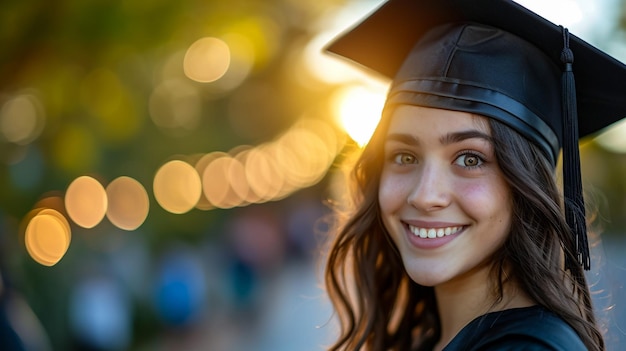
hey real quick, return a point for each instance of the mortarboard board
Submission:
(499, 59)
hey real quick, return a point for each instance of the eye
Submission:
(404, 159)
(469, 160)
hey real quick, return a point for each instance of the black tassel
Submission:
(572, 182)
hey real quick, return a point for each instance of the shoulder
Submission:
(529, 329)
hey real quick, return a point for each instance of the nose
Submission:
(432, 188)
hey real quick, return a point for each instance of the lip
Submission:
(431, 243)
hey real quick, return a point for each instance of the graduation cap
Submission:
(498, 59)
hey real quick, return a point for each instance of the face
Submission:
(443, 198)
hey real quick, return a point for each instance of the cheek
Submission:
(391, 193)
(487, 200)
(385, 199)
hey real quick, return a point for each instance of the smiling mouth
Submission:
(431, 233)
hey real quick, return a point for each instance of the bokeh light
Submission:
(217, 185)
(334, 138)
(207, 60)
(47, 236)
(358, 109)
(86, 201)
(177, 186)
(128, 203)
(297, 159)
(203, 162)
(262, 174)
(237, 177)
(21, 119)
(310, 156)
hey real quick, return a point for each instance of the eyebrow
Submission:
(456, 137)
(447, 139)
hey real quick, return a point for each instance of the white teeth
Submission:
(422, 233)
(433, 232)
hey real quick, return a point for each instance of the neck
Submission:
(470, 296)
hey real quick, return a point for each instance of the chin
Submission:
(430, 282)
(430, 279)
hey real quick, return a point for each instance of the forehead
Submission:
(418, 119)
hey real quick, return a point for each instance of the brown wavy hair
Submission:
(380, 308)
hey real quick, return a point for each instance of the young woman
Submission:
(459, 239)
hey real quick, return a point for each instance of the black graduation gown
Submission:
(529, 329)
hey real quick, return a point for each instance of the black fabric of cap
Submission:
(482, 69)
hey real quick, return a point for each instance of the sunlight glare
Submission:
(358, 111)
(323, 65)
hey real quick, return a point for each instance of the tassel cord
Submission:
(572, 181)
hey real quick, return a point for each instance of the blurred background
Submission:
(166, 170)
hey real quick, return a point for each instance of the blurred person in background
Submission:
(460, 238)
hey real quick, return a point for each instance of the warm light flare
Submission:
(323, 65)
(358, 110)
